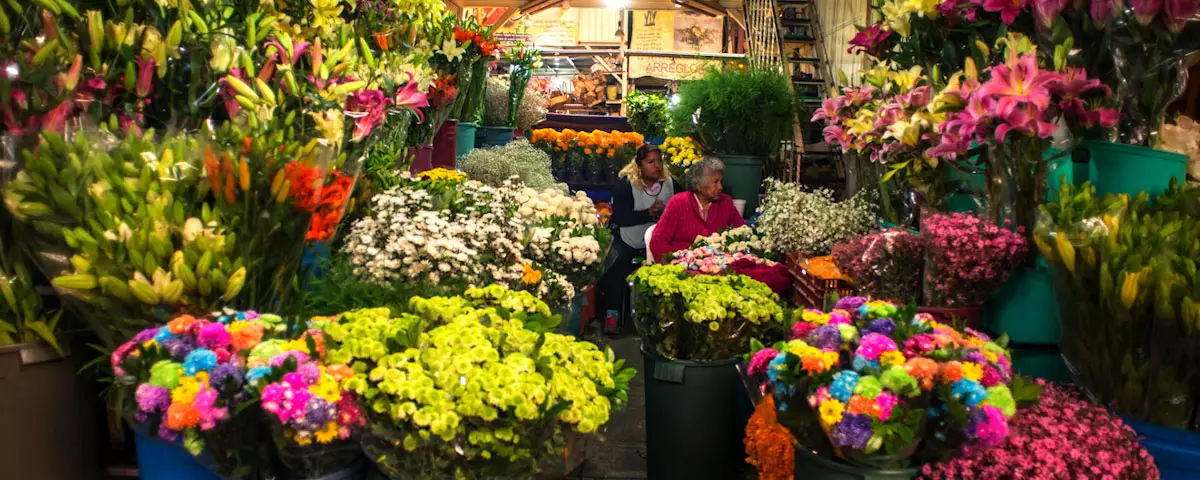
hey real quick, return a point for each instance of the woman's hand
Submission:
(657, 208)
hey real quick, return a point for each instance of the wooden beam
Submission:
(507, 15)
(702, 7)
(739, 16)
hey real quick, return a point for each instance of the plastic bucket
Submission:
(492, 136)
(1026, 308)
(421, 158)
(655, 140)
(162, 460)
(1120, 168)
(465, 141)
(696, 417)
(1060, 167)
(1175, 452)
(743, 176)
(810, 466)
(445, 144)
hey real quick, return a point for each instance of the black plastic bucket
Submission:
(810, 466)
(696, 416)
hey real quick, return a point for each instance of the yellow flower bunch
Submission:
(681, 152)
(444, 175)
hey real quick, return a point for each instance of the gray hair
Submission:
(702, 169)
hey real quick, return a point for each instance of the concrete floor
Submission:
(622, 454)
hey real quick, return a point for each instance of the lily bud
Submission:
(1129, 290)
(95, 33)
(1177, 13)
(1102, 12)
(1146, 10)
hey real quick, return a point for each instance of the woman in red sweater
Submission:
(699, 212)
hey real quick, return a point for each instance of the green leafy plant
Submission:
(735, 111)
(647, 113)
(23, 317)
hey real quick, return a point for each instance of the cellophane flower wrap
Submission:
(187, 380)
(1124, 272)
(884, 265)
(473, 386)
(443, 229)
(967, 258)
(881, 379)
(702, 317)
(310, 417)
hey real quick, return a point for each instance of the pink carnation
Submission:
(873, 344)
(213, 335)
(762, 358)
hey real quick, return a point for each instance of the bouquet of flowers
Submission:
(522, 60)
(679, 153)
(702, 317)
(1124, 270)
(481, 48)
(967, 259)
(467, 390)
(880, 379)
(187, 379)
(794, 220)
(736, 240)
(884, 265)
(311, 418)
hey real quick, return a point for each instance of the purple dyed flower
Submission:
(152, 399)
(853, 431)
(849, 304)
(144, 335)
(976, 356)
(310, 372)
(826, 337)
(317, 412)
(223, 374)
(883, 326)
(178, 347)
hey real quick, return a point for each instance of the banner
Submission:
(653, 30)
(667, 68)
(676, 31)
(696, 32)
(552, 27)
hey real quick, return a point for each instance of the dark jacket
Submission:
(623, 214)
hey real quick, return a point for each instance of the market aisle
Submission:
(622, 455)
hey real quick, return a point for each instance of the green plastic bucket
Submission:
(1026, 308)
(1120, 168)
(696, 416)
(810, 466)
(1060, 168)
(465, 142)
(743, 176)
(492, 136)
(1040, 362)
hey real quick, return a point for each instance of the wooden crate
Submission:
(809, 289)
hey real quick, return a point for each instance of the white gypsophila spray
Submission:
(794, 220)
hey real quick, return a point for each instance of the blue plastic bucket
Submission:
(465, 141)
(492, 136)
(1040, 362)
(655, 140)
(1026, 308)
(1120, 168)
(1175, 452)
(162, 460)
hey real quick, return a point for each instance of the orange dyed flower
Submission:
(768, 444)
(247, 337)
(863, 405)
(181, 324)
(951, 372)
(182, 416)
(340, 371)
(922, 369)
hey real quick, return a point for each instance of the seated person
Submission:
(699, 212)
(638, 199)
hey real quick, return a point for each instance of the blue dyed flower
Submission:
(778, 364)
(969, 392)
(843, 385)
(883, 326)
(257, 373)
(200, 360)
(861, 364)
(163, 335)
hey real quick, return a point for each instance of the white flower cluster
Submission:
(794, 220)
(741, 239)
(544, 241)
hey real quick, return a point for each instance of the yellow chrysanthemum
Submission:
(972, 371)
(831, 412)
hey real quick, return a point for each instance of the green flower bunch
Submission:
(467, 390)
(702, 317)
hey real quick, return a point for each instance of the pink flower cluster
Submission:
(968, 258)
(708, 260)
(1020, 98)
(1064, 436)
(884, 265)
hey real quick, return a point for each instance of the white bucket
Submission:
(740, 205)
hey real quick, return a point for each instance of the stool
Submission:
(627, 294)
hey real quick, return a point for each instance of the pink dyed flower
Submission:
(800, 330)
(760, 361)
(873, 345)
(1177, 13)
(1146, 10)
(214, 335)
(1009, 9)
(887, 402)
(994, 429)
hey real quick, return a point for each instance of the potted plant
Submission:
(647, 114)
(907, 388)
(740, 115)
(967, 259)
(473, 386)
(495, 130)
(692, 328)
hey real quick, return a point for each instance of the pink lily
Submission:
(859, 95)
(871, 40)
(367, 108)
(834, 135)
(1023, 83)
(1009, 9)
(298, 49)
(1047, 10)
(830, 109)
(1146, 10)
(1024, 120)
(145, 75)
(918, 97)
(1074, 82)
(1102, 12)
(1177, 13)
(56, 119)
(410, 97)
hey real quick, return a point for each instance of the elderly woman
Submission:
(701, 211)
(638, 200)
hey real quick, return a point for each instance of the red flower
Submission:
(443, 91)
(462, 36)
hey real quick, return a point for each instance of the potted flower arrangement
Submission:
(908, 387)
(884, 265)
(495, 130)
(679, 153)
(473, 386)
(647, 115)
(1122, 269)
(692, 327)
(740, 115)
(587, 156)
(967, 259)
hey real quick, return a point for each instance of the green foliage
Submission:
(647, 113)
(336, 289)
(735, 111)
(495, 165)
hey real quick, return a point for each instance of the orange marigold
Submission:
(768, 444)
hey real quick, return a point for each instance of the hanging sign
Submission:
(552, 27)
(695, 32)
(667, 68)
(653, 30)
